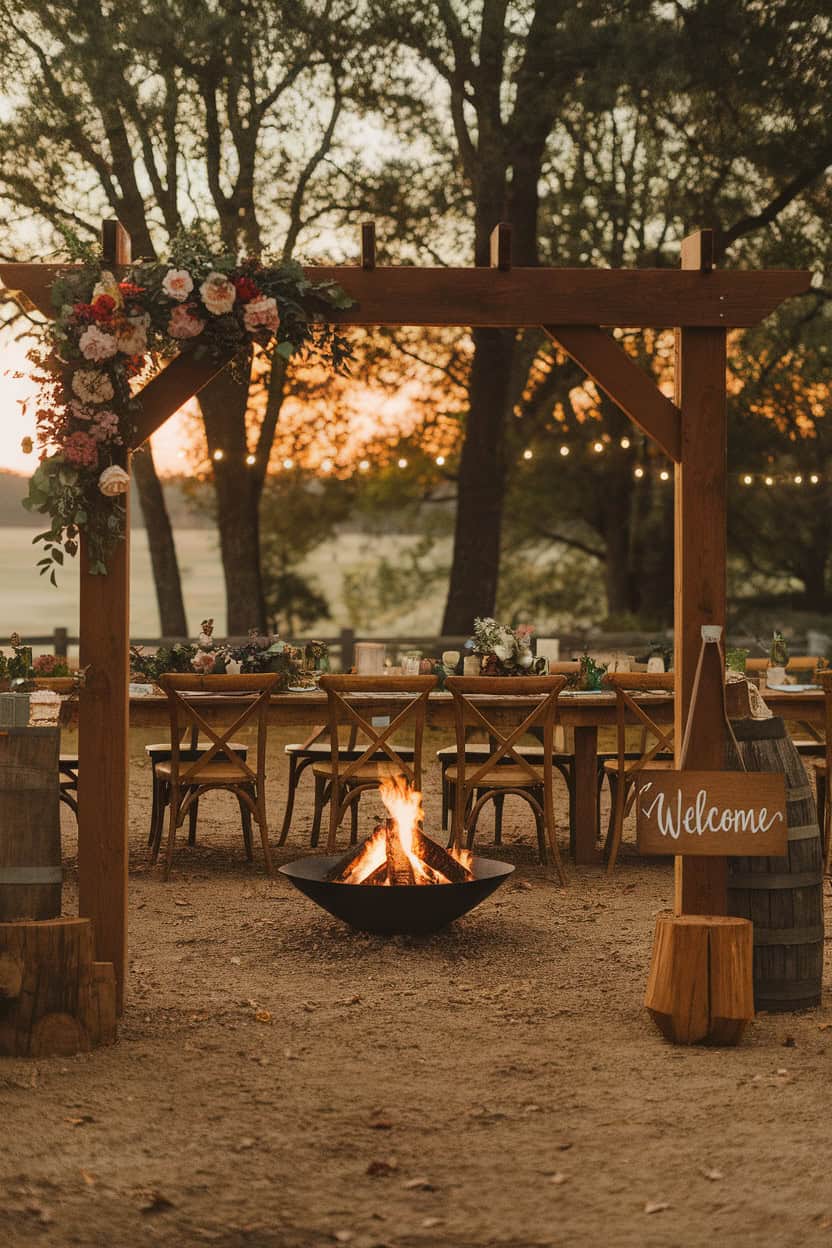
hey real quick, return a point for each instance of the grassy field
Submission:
(30, 605)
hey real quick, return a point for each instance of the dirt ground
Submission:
(282, 1082)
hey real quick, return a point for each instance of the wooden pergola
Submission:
(573, 306)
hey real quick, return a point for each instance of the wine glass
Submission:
(450, 661)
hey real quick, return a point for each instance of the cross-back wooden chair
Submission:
(245, 700)
(505, 770)
(342, 779)
(622, 770)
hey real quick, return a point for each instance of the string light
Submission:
(798, 480)
(364, 465)
(440, 460)
(664, 475)
(598, 447)
(769, 480)
(625, 444)
(251, 459)
(564, 450)
(638, 473)
(326, 465)
(527, 454)
(402, 462)
(218, 455)
(288, 463)
(814, 478)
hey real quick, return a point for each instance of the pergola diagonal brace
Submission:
(184, 377)
(621, 379)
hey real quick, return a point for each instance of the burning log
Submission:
(398, 852)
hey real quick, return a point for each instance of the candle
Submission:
(548, 648)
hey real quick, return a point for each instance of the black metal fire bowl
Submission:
(395, 909)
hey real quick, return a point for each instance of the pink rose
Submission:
(218, 294)
(79, 448)
(203, 661)
(261, 314)
(177, 284)
(96, 345)
(183, 324)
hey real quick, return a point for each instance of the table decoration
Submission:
(503, 650)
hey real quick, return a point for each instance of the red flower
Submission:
(103, 307)
(83, 311)
(130, 290)
(246, 289)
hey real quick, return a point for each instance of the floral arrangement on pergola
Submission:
(107, 331)
(572, 306)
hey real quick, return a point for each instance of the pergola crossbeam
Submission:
(179, 381)
(623, 381)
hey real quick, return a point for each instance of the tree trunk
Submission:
(223, 403)
(172, 619)
(481, 485)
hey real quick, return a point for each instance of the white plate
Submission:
(301, 689)
(791, 689)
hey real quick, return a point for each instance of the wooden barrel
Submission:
(30, 833)
(783, 897)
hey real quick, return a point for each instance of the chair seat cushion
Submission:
(509, 776)
(807, 747)
(322, 749)
(379, 769)
(209, 773)
(160, 750)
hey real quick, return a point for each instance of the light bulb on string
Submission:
(664, 475)
(564, 450)
(638, 473)
(288, 463)
(364, 465)
(402, 462)
(798, 479)
(218, 455)
(769, 480)
(527, 454)
(251, 460)
(326, 465)
(625, 444)
(598, 447)
(440, 460)
(814, 478)
(747, 479)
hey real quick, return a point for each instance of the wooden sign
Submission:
(717, 813)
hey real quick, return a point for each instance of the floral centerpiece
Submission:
(107, 331)
(261, 653)
(503, 651)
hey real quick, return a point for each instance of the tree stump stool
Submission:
(701, 986)
(55, 1000)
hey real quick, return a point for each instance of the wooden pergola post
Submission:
(103, 727)
(701, 485)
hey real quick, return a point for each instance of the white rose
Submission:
(96, 345)
(113, 480)
(132, 339)
(502, 652)
(177, 284)
(92, 386)
(218, 294)
(525, 658)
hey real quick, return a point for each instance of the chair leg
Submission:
(498, 819)
(354, 821)
(821, 782)
(192, 813)
(317, 815)
(173, 816)
(245, 822)
(445, 799)
(264, 833)
(540, 828)
(621, 792)
(291, 787)
(154, 806)
(158, 827)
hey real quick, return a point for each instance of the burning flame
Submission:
(401, 832)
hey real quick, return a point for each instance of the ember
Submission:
(398, 852)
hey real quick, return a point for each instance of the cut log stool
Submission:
(55, 1000)
(701, 988)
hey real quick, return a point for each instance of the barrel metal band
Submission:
(807, 879)
(804, 832)
(31, 875)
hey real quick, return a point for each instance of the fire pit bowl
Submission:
(398, 909)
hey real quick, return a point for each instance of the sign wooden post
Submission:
(701, 987)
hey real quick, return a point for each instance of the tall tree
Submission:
(162, 114)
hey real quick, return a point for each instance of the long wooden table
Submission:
(585, 713)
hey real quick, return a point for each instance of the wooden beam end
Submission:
(368, 244)
(116, 245)
(698, 251)
(501, 246)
